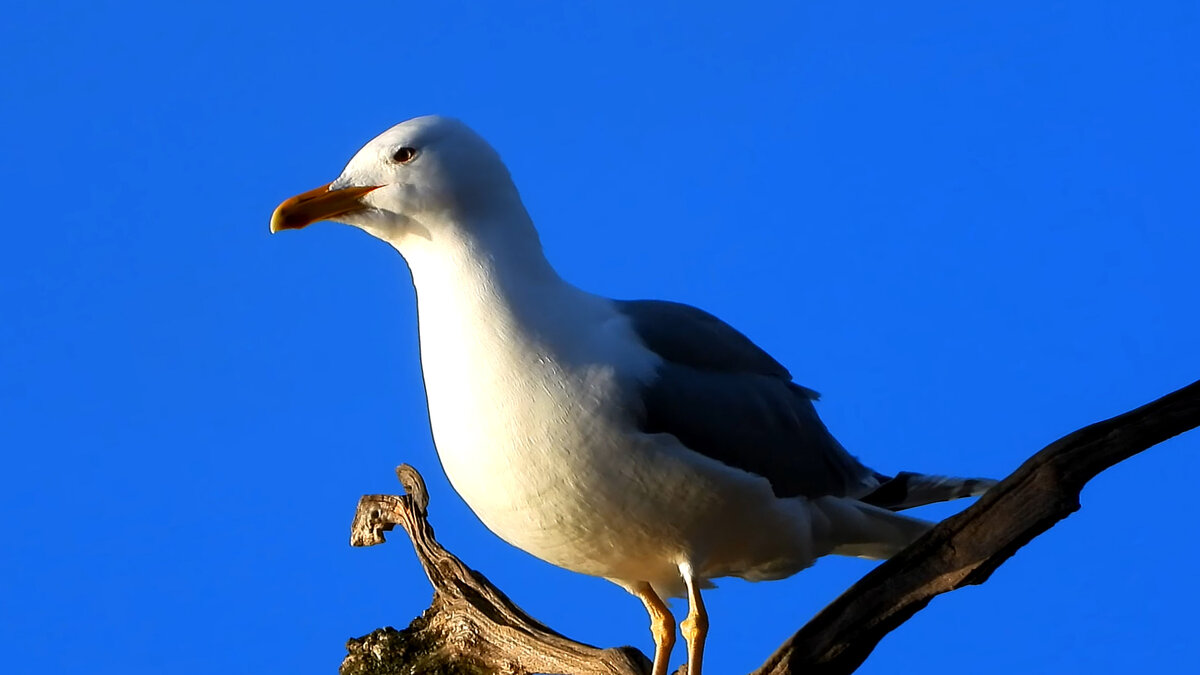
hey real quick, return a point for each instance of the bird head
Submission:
(418, 176)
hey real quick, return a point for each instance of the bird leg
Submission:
(662, 625)
(695, 626)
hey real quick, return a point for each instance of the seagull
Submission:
(646, 442)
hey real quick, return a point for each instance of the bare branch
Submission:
(471, 627)
(966, 548)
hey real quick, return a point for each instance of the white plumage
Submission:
(646, 443)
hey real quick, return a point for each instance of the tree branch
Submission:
(966, 548)
(472, 627)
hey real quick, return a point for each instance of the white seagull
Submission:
(646, 442)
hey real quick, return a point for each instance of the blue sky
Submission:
(971, 227)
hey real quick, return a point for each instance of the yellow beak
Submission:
(319, 204)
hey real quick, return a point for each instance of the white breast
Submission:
(532, 387)
(526, 379)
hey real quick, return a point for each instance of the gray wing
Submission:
(724, 397)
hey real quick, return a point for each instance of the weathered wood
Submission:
(966, 548)
(471, 627)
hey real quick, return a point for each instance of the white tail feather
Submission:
(845, 526)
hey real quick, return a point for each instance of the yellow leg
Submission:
(662, 625)
(695, 626)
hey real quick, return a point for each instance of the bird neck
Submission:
(500, 251)
(489, 274)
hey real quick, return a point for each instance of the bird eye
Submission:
(404, 155)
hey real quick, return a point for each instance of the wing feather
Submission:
(722, 396)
